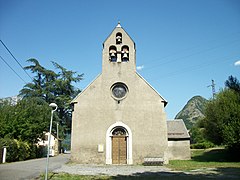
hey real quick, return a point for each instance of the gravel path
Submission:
(146, 172)
(108, 170)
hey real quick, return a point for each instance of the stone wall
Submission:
(179, 150)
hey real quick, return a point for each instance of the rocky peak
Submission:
(192, 111)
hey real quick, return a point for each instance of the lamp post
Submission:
(54, 108)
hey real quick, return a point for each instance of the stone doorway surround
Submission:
(109, 142)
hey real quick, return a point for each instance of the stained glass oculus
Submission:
(119, 90)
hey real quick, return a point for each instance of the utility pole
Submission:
(213, 88)
(57, 131)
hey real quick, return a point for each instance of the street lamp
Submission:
(54, 108)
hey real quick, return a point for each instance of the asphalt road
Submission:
(32, 168)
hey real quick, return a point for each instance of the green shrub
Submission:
(23, 150)
(38, 151)
(203, 145)
(12, 149)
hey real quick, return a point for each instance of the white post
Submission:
(53, 105)
(4, 154)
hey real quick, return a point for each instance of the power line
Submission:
(15, 59)
(193, 47)
(189, 55)
(18, 63)
(194, 68)
(12, 69)
(199, 66)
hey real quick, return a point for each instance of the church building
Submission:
(119, 118)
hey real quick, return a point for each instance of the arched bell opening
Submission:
(113, 54)
(125, 54)
(119, 38)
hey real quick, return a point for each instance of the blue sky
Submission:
(181, 45)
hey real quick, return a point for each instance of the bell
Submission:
(119, 39)
(125, 56)
(112, 55)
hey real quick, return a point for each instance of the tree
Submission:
(25, 121)
(43, 82)
(222, 121)
(233, 83)
(53, 87)
(6, 115)
(197, 132)
(65, 92)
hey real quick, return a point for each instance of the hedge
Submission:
(203, 145)
(20, 150)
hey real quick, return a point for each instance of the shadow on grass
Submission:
(217, 155)
(218, 173)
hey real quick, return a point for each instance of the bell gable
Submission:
(118, 51)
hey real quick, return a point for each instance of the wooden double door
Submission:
(119, 149)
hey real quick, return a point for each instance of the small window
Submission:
(45, 138)
(125, 54)
(119, 38)
(113, 54)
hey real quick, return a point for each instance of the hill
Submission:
(192, 111)
(12, 100)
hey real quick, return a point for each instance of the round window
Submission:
(119, 90)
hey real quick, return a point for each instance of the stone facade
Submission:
(119, 118)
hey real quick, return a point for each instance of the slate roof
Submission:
(177, 130)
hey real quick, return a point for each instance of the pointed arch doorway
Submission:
(119, 144)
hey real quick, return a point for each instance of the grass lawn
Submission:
(64, 176)
(210, 158)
